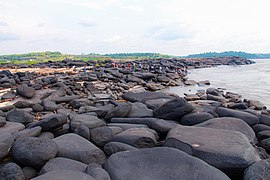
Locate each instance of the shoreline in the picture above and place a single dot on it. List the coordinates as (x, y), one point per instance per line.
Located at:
(95, 118)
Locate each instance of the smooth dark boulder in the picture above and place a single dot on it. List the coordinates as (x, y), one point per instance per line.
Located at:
(11, 127)
(29, 172)
(137, 137)
(61, 163)
(8, 95)
(265, 143)
(64, 175)
(11, 171)
(83, 131)
(34, 152)
(214, 91)
(49, 105)
(6, 142)
(77, 148)
(87, 120)
(125, 126)
(65, 99)
(227, 150)
(140, 110)
(259, 170)
(263, 134)
(230, 123)
(173, 109)
(195, 118)
(32, 132)
(143, 96)
(22, 104)
(250, 119)
(156, 103)
(122, 110)
(3, 121)
(159, 163)
(96, 171)
(38, 108)
(25, 91)
(19, 116)
(260, 127)
(114, 147)
(264, 119)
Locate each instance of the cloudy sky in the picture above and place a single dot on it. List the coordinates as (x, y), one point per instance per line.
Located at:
(177, 27)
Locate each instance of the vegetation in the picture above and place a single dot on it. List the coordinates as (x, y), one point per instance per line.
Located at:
(230, 53)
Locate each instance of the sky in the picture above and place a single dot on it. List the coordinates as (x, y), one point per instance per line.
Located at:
(175, 27)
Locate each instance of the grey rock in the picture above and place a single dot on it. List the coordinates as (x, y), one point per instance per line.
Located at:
(77, 103)
(173, 109)
(263, 134)
(114, 147)
(250, 119)
(12, 171)
(83, 131)
(8, 95)
(66, 99)
(156, 103)
(159, 163)
(25, 91)
(34, 152)
(143, 96)
(61, 163)
(195, 118)
(19, 116)
(227, 150)
(260, 127)
(77, 148)
(125, 126)
(122, 110)
(137, 137)
(140, 110)
(48, 135)
(22, 104)
(89, 121)
(214, 91)
(6, 142)
(37, 108)
(102, 135)
(97, 172)
(11, 127)
(264, 119)
(49, 105)
(33, 132)
(265, 143)
(64, 175)
(3, 121)
(258, 170)
(29, 172)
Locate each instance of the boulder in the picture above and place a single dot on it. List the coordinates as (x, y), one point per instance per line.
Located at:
(155, 103)
(61, 163)
(159, 163)
(173, 109)
(11, 127)
(11, 171)
(122, 110)
(265, 143)
(64, 175)
(19, 116)
(34, 152)
(97, 172)
(227, 150)
(195, 118)
(140, 110)
(143, 96)
(77, 148)
(163, 79)
(257, 105)
(3, 121)
(230, 123)
(25, 91)
(8, 95)
(29, 172)
(65, 99)
(33, 132)
(214, 91)
(260, 127)
(87, 120)
(125, 126)
(263, 135)
(102, 135)
(264, 119)
(258, 170)
(250, 119)
(6, 142)
(114, 147)
(22, 104)
(77, 103)
(49, 105)
(137, 137)
(83, 131)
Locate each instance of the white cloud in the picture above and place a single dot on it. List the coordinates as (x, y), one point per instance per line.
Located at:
(113, 39)
(7, 36)
(3, 23)
(87, 23)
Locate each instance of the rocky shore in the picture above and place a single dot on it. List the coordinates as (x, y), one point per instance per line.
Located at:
(107, 120)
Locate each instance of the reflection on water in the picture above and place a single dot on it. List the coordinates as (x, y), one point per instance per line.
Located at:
(251, 81)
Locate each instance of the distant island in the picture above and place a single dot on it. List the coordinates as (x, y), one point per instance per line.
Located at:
(36, 57)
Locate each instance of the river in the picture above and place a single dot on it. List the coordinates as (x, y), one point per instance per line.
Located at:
(251, 81)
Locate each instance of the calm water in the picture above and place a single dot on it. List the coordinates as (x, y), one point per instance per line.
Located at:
(251, 81)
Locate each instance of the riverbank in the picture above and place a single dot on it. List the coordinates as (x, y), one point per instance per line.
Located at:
(105, 118)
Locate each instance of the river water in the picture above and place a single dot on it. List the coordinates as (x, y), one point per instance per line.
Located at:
(251, 81)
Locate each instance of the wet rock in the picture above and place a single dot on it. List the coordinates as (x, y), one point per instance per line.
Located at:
(34, 152)
(64, 174)
(258, 170)
(137, 137)
(61, 163)
(159, 163)
(25, 91)
(232, 156)
(12, 171)
(87, 120)
(140, 110)
(195, 118)
(173, 109)
(77, 148)
(19, 116)
(122, 110)
(6, 142)
(256, 104)
(250, 119)
(214, 91)
(97, 172)
(114, 147)
(190, 82)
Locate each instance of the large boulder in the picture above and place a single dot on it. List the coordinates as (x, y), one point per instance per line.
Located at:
(87, 120)
(143, 96)
(173, 109)
(230, 123)
(34, 152)
(49, 105)
(250, 119)
(96, 171)
(25, 91)
(258, 170)
(114, 147)
(265, 143)
(159, 163)
(11, 127)
(63, 164)
(137, 137)
(122, 110)
(195, 118)
(11, 171)
(77, 148)
(6, 142)
(19, 116)
(227, 150)
(140, 110)
(64, 175)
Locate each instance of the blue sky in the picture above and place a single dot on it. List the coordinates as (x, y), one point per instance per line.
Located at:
(177, 27)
